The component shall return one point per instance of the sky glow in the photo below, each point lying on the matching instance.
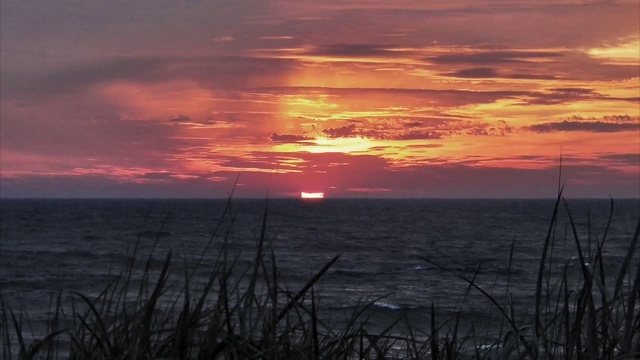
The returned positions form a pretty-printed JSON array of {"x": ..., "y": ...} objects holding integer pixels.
[{"x": 354, "y": 99}]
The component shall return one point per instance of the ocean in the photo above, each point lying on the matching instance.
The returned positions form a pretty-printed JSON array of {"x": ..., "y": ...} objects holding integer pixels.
[{"x": 52, "y": 246}]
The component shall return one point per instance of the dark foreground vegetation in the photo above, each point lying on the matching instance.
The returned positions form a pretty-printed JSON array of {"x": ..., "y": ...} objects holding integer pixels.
[{"x": 159, "y": 311}]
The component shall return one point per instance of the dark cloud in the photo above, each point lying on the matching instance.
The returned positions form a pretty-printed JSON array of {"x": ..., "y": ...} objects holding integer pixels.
[
  {"x": 624, "y": 159},
  {"x": 531, "y": 157},
  {"x": 580, "y": 118},
  {"x": 575, "y": 91},
  {"x": 499, "y": 129},
  {"x": 411, "y": 123},
  {"x": 525, "y": 76},
  {"x": 180, "y": 119},
  {"x": 289, "y": 138},
  {"x": 522, "y": 24},
  {"x": 399, "y": 129},
  {"x": 504, "y": 127},
  {"x": 492, "y": 57},
  {"x": 580, "y": 66},
  {"x": 478, "y": 131},
  {"x": 79, "y": 75},
  {"x": 566, "y": 95},
  {"x": 394, "y": 131},
  {"x": 418, "y": 135},
  {"x": 82, "y": 130},
  {"x": 622, "y": 118},
  {"x": 561, "y": 95},
  {"x": 566, "y": 66},
  {"x": 343, "y": 131},
  {"x": 556, "y": 98},
  {"x": 479, "y": 73},
  {"x": 224, "y": 72},
  {"x": 103, "y": 186},
  {"x": 590, "y": 126},
  {"x": 475, "y": 73}
]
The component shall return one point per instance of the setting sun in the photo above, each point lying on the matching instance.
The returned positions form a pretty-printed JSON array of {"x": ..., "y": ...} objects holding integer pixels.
[{"x": 311, "y": 195}]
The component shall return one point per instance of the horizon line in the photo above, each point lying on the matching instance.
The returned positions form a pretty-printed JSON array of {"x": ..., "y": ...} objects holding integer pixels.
[{"x": 323, "y": 199}]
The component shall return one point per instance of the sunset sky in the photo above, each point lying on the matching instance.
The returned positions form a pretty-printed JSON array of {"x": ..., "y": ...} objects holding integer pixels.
[{"x": 459, "y": 98}]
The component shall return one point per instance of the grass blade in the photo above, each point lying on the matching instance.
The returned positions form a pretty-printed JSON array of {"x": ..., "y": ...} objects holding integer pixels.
[{"x": 538, "y": 296}]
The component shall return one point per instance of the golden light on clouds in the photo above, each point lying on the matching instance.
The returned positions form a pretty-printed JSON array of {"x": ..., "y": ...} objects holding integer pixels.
[
  {"x": 625, "y": 53},
  {"x": 342, "y": 145},
  {"x": 364, "y": 98}
]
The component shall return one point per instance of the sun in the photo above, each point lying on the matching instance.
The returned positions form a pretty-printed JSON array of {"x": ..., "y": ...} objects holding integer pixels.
[{"x": 311, "y": 195}]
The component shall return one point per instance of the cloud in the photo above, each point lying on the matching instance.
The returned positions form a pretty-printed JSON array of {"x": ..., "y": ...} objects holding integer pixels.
[
  {"x": 354, "y": 50},
  {"x": 470, "y": 23},
  {"x": 336, "y": 173},
  {"x": 479, "y": 73},
  {"x": 83, "y": 129},
  {"x": 180, "y": 119},
  {"x": 156, "y": 176},
  {"x": 575, "y": 91},
  {"x": 525, "y": 76},
  {"x": 259, "y": 162},
  {"x": 397, "y": 96},
  {"x": 104, "y": 186},
  {"x": 343, "y": 131},
  {"x": 622, "y": 118},
  {"x": 281, "y": 37},
  {"x": 474, "y": 73},
  {"x": 223, "y": 39},
  {"x": 392, "y": 130},
  {"x": 413, "y": 123},
  {"x": 289, "y": 138},
  {"x": 369, "y": 190},
  {"x": 501, "y": 128},
  {"x": 624, "y": 159},
  {"x": 418, "y": 135},
  {"x": 560, "y": 95},
  {"x": 565, "y": 95},
  {"x": 424, "y": 146},
  {"x": 492, "y": 57},
  {"x": 222, "y": 72},
  {"x": 589, "y": 126},
  {"x": 564, "y": 65},
  {"x": 122, "y": 90},
  {"x": 478, "y": 131}
]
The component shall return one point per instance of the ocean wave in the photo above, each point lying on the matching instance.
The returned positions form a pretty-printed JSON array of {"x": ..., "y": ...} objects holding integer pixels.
[{"x": 387, "y": 305}]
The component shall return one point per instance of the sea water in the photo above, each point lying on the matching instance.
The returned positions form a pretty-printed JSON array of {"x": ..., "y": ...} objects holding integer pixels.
[{"x": 404, "y": 254}]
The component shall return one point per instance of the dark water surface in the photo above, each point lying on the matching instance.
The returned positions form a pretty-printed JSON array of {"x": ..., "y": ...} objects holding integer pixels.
[{"x": 73, "y": 245}]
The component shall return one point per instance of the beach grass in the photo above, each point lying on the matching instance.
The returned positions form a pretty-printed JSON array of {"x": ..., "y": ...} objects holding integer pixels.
[{"x": 158, "y": 311}]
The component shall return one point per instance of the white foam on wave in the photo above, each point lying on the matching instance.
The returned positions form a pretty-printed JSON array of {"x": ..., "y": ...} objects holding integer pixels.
[
  {"x": 488, "y": 346},
  {"x": 386, "y": 305}
]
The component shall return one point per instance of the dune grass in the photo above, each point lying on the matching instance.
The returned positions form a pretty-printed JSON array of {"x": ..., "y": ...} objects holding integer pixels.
[{"x": 160, "y": 312}]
